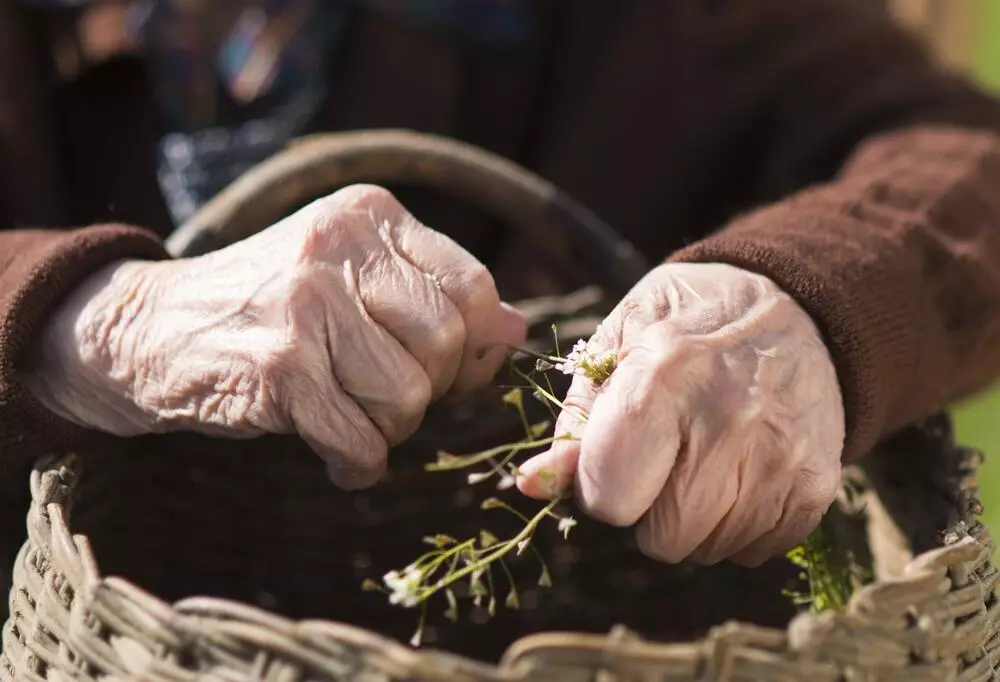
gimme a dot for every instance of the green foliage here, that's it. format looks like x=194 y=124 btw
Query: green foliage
x=834 y=559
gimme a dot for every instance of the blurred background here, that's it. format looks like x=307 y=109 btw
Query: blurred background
x=965 y=34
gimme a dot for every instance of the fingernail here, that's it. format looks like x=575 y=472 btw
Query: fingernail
x=515 y=327
x=538 y=476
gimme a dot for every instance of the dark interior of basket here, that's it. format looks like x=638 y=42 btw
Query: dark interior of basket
x=262 y=525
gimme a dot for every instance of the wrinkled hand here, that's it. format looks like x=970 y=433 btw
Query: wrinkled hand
x=721 y=429
x=340 y=324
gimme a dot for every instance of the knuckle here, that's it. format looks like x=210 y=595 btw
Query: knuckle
x=817 y=491
x=479 y=285
x=326 y=213
x=414 y=397
x=322 y=233
x=446 y=336
x=363 y=196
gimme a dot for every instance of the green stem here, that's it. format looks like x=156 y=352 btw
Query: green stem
x=440 y=556
x=581 y=416
x=552 y=391
x=462 y=462
x=502 y=550
x=540 y=356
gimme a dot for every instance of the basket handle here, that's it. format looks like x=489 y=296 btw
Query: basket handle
x=575 y=240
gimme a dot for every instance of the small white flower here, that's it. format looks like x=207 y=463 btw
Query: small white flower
x=582 y=361
x=566 y=523
x=404 y=588
x=573 y=361
x=479 y=477
x=506 y=482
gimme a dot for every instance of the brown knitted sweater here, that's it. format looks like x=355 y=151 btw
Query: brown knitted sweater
x=810 y=141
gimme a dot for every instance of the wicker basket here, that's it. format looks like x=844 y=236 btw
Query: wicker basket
x=264 y=533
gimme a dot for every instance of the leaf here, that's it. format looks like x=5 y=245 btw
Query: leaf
x=487 y=539
x=513 y=398
x=440 y=541
x=446 y=458
x=452 y=612
x=545 y=579
x=538 y=430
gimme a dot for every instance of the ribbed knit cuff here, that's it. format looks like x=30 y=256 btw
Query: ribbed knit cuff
x=41 y=269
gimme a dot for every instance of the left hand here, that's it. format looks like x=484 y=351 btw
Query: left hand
x=720 y=432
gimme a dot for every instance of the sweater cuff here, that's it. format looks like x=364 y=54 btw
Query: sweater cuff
x=857 y=287
x=47 y=268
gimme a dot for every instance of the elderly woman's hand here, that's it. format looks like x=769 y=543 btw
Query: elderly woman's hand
x=721 y=430
x=339 y=324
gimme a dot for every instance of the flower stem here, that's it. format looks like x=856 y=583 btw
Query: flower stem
x=469 y=460
x=490 y=556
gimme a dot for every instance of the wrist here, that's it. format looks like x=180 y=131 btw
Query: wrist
x=87 y=365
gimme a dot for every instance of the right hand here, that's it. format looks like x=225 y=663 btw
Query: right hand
x=339 y=324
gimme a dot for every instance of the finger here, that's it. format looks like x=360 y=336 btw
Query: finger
x=368 y=363
x=552 y=472
x=336 y=429
x=382 y=378
x=755 y=513
x=414 y=309
x=762 y=458
x=350 y=230
x=513 y=323
x=681 y=518
x=490 y=326
x=717 y=492
x=789 y=532
x=808 y=501
x=632 y=435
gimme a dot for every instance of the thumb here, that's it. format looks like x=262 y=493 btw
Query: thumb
x=553 y=470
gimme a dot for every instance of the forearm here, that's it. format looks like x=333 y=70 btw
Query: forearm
x=39 y=269
x=898 y=261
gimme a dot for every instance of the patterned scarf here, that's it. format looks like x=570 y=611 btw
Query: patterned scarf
x=237 y=78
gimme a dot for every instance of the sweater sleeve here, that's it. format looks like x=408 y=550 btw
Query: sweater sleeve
x=888 y=229
x=38 y=269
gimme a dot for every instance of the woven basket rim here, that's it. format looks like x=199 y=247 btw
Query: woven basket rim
x=228 y=629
